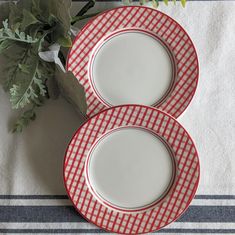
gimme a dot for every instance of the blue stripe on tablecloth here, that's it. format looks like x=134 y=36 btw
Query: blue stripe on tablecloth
x=48 y=197
x=217 y=197
x=201 y=214
x=175 y=231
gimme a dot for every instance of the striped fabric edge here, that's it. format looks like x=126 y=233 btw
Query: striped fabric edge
x=50 y=214
x=67 y=214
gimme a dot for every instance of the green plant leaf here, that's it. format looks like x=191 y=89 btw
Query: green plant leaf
x=4 y=12
x=15 y=16
x=65 y=41
x=10 y=64
x=8 y=34
x=4 y=45
x=60 y=10
x=24 y=4
x=155 y=3
x=28 y=19
x=166 y=2
x=33 y=30
x=47 y=75
x=142 y=2
x=24 y=68
x=24 y=120
x=71 y=89
x=40 y=85
x=21 y=95
x=126 y=2
x=36 y=10
x=28 y=87
x=183 y=3
x=52 y=88
x=57 y=18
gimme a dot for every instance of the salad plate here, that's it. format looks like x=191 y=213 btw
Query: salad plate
x=131 y=169
x=135 y=55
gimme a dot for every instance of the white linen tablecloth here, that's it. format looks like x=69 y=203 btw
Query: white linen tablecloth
x=32 y=195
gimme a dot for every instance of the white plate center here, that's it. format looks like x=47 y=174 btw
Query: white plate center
x=130 y=168
x=132 y=67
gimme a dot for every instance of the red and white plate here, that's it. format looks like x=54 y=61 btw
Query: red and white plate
x=131 y=169
x=135 y=55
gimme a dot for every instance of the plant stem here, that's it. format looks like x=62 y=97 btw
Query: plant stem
x=84 y=10
x=78 y=18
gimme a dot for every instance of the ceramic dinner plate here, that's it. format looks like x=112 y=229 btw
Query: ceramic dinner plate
x=135 y=55
x=131 y=169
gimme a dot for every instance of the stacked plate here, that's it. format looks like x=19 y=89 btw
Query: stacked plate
x=131 y=167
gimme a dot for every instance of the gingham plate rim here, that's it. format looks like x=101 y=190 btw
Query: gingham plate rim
x=147 y=107
x=90 y=21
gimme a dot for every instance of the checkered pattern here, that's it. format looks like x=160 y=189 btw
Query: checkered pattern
x=178 y=198
x=143 y=18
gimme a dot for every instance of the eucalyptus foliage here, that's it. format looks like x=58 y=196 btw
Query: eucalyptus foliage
x=28 y=28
